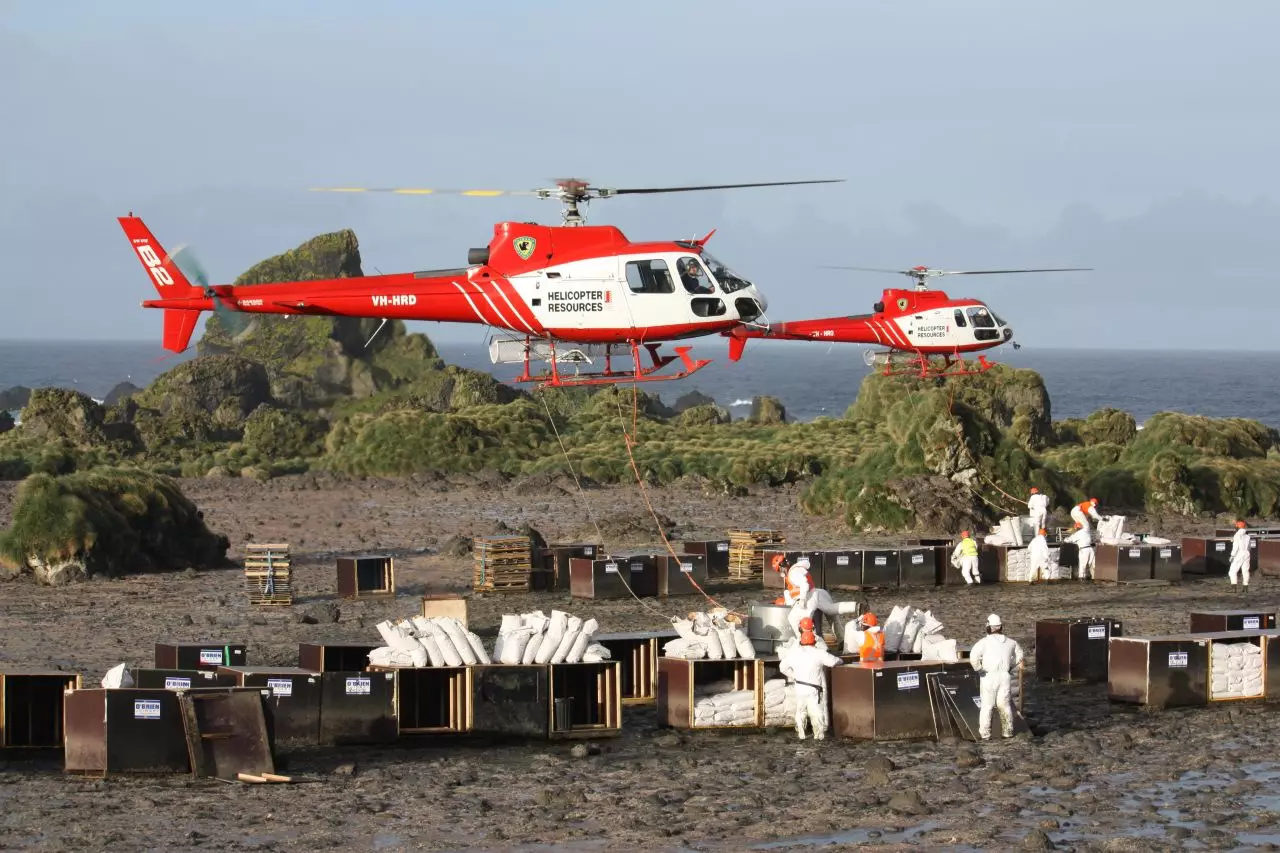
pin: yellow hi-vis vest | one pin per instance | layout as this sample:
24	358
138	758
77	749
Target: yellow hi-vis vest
968	548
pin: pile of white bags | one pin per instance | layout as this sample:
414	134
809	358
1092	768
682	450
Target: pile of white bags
909	630
1018	566
530	638
419	641
1237	671
118	676
779	703
710	636
1111	531
718	704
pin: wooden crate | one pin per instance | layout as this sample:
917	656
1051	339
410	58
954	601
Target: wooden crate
367	576
679	680
502	564
746	551
266	574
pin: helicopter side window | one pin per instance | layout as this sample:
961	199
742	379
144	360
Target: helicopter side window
650	277
692	276
960	321
981	318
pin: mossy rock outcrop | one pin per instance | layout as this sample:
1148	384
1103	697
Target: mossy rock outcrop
202	401
109	521
63	416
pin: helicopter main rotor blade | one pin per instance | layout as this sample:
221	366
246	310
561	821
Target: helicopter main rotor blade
639	191
423	191
998	272
864	269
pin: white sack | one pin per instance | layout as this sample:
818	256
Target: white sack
510	622
432	648
458	639
579	648
531	650
728	644
451	655
477	646
742	643
595	653
514	645
117	676
561	654
711	642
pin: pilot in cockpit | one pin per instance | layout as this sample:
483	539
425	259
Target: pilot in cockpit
692	276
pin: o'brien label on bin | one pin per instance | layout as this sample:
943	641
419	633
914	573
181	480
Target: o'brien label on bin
1166	553
1250	622
588	551
882	561
357	687
977	700
637	567
842	561
280	686
1219	546
722	546
908	680
1097	632
1177	659
172	683
917	559
146	709
611	568
687	568
1135	552
211	656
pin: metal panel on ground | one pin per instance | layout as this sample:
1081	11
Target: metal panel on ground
291	703
960	693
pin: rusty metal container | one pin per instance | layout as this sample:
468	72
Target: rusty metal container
334	657
885	701
1166	563
1268	548
603	578
31	708
367	576
637	656
1074	648
127	730
431	700
679	681
555	559
1211	556
208	656
643	571
1159	672
880	567
291	702
842	569
180	679
715	550
1121	563
918	566
358	707
555	701
1205	621
675	573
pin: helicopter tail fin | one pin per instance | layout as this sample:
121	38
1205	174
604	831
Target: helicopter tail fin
169	281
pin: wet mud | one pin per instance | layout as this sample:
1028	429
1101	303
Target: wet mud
1093	776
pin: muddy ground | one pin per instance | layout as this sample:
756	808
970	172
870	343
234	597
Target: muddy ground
1094	777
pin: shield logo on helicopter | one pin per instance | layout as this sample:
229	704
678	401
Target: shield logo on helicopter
524	247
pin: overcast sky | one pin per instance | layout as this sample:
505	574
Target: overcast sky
1139	138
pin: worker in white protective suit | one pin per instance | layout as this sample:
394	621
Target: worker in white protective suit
1038	508
1085	510
1038	555
994	658
965	558
804	664
804	599
1083	540
1240	554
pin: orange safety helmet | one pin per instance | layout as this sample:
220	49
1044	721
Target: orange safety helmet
1093	500
1241	524
806	624
807	638
870	619
964	534
776	562
1044	532
1079	526
1034	490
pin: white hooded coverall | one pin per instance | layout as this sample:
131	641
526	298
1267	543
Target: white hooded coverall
994	657
1038	554
804	665
809	599
1083	539
1038	507
1240	555
968	564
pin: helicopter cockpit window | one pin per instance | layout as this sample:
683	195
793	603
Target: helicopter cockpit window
982	318
693	277
729	280
960	321
650	277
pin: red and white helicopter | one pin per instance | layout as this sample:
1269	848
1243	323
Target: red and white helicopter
571	293
916	326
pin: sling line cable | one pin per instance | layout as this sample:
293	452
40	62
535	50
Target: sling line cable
587	504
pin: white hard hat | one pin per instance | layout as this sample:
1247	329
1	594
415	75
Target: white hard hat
993	621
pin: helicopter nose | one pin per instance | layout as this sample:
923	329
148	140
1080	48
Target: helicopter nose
1008	333
761	301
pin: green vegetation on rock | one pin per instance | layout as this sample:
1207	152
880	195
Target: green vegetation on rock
108	521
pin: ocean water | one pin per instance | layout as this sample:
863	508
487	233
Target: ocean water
811	380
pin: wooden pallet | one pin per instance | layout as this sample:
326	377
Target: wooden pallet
266	574
502	564
746	551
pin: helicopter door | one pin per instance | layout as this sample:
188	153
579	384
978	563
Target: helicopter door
704	303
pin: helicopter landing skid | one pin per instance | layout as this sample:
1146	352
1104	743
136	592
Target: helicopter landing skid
554	378
918	364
